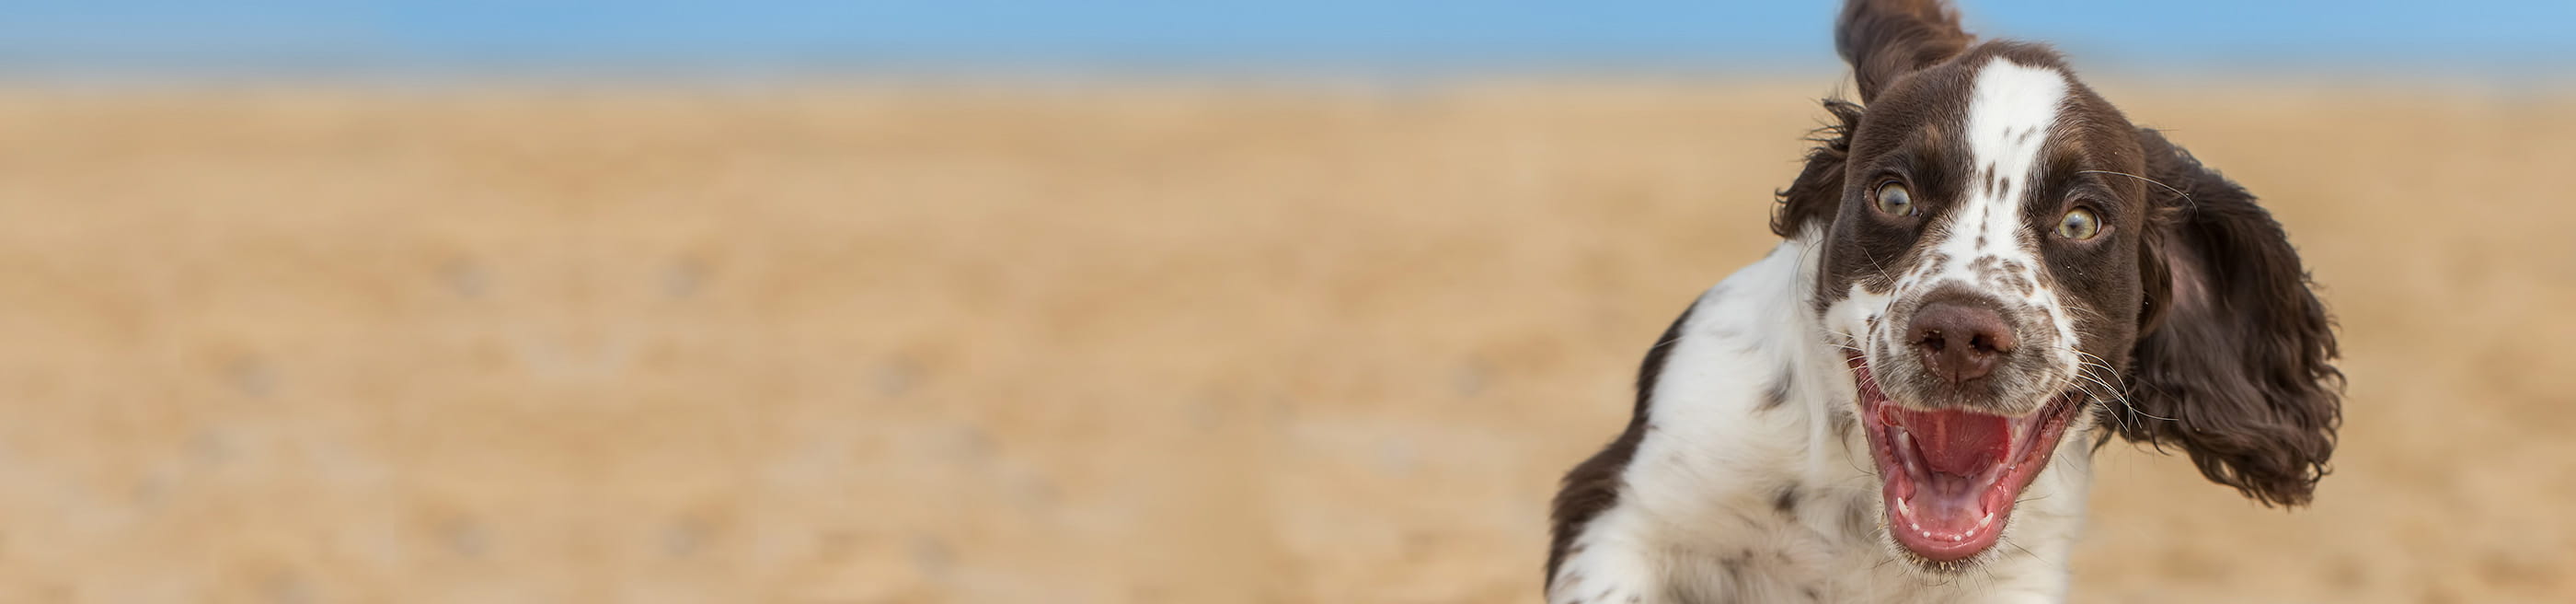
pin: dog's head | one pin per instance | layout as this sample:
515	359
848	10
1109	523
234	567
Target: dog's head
2012	264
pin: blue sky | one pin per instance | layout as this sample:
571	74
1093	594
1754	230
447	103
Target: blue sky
912	36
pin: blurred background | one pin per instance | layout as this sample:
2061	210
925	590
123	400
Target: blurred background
1119	301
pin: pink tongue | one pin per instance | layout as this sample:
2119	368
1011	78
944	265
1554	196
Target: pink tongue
1956	442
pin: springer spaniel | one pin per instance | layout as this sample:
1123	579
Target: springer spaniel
1987	272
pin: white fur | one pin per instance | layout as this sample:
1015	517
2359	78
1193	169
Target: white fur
2009	115
1701	488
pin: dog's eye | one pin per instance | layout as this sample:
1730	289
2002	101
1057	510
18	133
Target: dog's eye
1894	200
2078	225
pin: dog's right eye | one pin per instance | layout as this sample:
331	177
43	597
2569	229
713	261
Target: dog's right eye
1894	199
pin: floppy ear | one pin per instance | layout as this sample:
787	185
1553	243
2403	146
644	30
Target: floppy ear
2235	364
1818	191
1886	39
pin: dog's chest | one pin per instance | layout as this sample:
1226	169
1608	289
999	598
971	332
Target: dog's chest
1793	542
1784	559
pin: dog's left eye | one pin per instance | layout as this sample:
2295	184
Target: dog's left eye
2079	225
1895	200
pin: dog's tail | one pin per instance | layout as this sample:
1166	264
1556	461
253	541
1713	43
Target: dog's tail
1886	39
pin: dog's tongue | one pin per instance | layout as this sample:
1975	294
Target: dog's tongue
1958	443
1945	506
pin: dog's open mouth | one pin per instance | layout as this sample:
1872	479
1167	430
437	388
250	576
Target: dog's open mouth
1952	476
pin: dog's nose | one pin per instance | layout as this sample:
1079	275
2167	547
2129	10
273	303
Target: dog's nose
1960	342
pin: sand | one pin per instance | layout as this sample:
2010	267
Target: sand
1076	343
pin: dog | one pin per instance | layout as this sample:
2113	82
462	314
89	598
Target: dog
1986	273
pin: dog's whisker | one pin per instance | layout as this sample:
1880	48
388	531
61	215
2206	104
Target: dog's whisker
2186	197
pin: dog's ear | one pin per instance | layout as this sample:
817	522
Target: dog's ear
1883	40
1818	191
2235	361
1886	39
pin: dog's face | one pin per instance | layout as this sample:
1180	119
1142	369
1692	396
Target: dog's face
1983	273
2009	261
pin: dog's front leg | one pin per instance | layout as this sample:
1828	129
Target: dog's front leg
1609	574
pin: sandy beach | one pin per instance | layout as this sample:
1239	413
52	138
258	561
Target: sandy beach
1099	343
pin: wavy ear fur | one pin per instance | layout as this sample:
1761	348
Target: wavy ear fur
1813	197
2235	365
1886	39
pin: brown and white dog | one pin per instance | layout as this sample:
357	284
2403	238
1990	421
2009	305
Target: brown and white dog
1987	272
